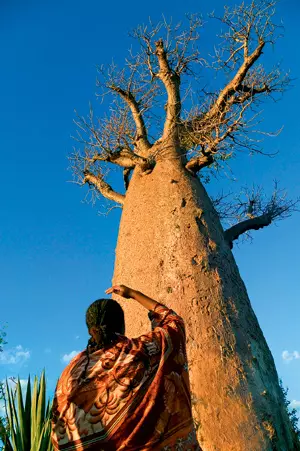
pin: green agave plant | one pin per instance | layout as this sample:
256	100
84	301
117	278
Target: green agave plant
28	423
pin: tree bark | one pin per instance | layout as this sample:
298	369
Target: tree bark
171	246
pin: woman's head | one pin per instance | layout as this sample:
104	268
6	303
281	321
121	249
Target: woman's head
104	318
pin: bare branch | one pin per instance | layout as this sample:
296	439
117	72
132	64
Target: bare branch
168	57
137	117
249	224
106	135
254	210
232	87
124	158
106	213
180	45
103	187
246	26
221	122
196	164
104	143
171	81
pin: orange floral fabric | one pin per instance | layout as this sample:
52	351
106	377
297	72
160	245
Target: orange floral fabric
136	394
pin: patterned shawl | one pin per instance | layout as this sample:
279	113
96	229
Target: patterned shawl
136	394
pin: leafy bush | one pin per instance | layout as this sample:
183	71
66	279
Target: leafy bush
292	413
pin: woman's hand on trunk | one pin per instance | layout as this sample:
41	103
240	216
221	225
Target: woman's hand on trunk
121	290
128	293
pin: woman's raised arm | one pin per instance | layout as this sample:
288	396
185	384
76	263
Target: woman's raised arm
129	293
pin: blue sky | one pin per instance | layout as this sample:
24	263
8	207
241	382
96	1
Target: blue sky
56	252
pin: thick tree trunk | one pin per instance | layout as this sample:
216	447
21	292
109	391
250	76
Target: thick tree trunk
171	247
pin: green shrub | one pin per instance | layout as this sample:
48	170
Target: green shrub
292	413
28	425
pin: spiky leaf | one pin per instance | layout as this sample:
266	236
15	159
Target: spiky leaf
29	424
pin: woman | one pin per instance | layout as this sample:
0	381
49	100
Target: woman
126	394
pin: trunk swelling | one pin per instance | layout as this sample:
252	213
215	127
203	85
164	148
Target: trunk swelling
171	247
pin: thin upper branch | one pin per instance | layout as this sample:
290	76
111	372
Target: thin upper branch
141	137
220	104
171	81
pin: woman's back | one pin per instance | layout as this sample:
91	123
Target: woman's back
135	395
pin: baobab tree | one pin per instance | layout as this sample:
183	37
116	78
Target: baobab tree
172	243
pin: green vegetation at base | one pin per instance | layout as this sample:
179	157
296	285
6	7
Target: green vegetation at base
28	423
